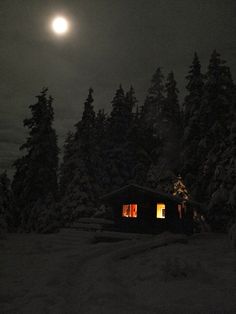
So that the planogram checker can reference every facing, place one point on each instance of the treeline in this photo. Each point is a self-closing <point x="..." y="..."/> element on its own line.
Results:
<point x="148" y="144"/>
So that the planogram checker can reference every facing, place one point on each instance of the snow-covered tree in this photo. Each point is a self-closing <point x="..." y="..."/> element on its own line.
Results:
<point x="153" y="104"/>
<point x="36" y="171"/>
<point x="180" y="189"/>
<point x="212" y="147"/>
<point x="192" y="131"/>
<point x="9" y="215"/>
<point x="77" y="170"/>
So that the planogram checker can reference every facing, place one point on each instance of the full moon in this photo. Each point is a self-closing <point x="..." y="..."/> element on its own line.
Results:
<point x="60" y="25"/>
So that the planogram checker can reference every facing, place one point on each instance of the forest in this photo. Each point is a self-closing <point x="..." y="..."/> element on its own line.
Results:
<point x="150" y="144"/>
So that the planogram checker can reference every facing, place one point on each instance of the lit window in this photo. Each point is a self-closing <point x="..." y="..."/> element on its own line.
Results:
<point x="129" y="210"/>
<point x="161" y="210"/>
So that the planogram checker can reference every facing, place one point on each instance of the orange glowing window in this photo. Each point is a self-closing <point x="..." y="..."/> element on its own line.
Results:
<point x="129" y="210"/>
<point x="161" y="210"/>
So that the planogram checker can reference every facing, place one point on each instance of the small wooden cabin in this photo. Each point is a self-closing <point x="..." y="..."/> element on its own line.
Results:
<point x="140" y="209"/>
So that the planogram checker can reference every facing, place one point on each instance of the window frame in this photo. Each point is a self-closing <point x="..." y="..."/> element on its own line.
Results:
<point x="132" y="212"/>
<point x="160" y="210"/>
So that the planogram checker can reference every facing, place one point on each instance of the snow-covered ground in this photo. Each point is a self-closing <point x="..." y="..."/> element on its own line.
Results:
<point x="73" y="272"/>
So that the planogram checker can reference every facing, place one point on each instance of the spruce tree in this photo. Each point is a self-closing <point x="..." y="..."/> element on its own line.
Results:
<point x="180" y="189"/>
<point x="130" y="104"/>
<point x="218" y="92"/>
<point x="214" y="184"/>
<point x="36" y="171"/>
<point x="8" y="214"/>
<point x="79" y="194"/>
<point x="195" y="84"/>
<point x="168" y="154"/>
<point x="101" y="177"/>
<point x="172" y="117"/>
<point x="171" y="109"/>
<point x="192" y="131"/>
<point x="85" y="127"/>
<point x="137" y="145"/>
<point x="67" y="165"/>
<point x="118" y="154"/>
<point x="154" y="101"/>
<point x="214" y="122"/>
<point x="120" y="116"/>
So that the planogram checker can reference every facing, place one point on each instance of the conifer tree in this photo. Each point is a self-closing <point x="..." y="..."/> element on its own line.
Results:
<point x="170" y="135"/>
<point x="213" y="183"/>
<point x="67" y="165"/>
<point x="8" y="214"/>
<point x="153" y="105"/>
<point x="192" y="131"/>
<point x="137" y="144"/>
<point x="85" y="128"/>
<point x="166" y="160"/>
<point x="171" y="109"/>
<point x="214" y="122"/>
<point x="100" y="154"/>
<point x="195" y="84"/>
<point x="119" y="117"/>
<point x="118" y="125"/>
<point x="36" y="171"/>
<point x="218" y="91"/>
<point x="130" y="104"/>
<point x="79" y="194"/>
<point x="180" y="189"/>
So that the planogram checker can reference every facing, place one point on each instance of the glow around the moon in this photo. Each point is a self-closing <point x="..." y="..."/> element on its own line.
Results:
<point x="60" y="25"/>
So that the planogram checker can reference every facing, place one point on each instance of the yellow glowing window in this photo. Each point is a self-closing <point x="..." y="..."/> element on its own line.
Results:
<point x="161" y="210"/>
<point x="129" y="210"/>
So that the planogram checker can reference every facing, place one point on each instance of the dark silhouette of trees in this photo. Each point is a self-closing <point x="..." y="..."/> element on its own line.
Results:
<point x="192" y="122"/>
<point x="8" y="212"/>
<point x="36" y="171"/>
<point x="77" y="184"/>
<point x="149" y="144"/>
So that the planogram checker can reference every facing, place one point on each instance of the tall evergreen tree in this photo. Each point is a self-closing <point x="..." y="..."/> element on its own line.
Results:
<point x="36" y="172"/>
<point x="8" y="213"/>
<point x="154" y="101"/>
<point x="85" y="127"/>
<point x="137" y="143"/>
<point x="167" y="158"/>
<point x="214" y="121"/>
<point x="192" y="131"/>
<point x="195" y="84"/>
<point x="180" y="189"/>
<point x="171" y="109"/>
<point x="138" y="149"/>
<point x="171" y="125"/>
<point x="213" y="184"/>
<point x="218" y="92"/>
<point x="67" y="165"/>
<point x="120" y="116"/>
<point x="130" y="104"/>
<point x="118" y="154"/>
<point x="79" y="194"/>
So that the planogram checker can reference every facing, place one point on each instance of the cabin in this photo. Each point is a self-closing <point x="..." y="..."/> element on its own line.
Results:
<point x="140" y="209"/>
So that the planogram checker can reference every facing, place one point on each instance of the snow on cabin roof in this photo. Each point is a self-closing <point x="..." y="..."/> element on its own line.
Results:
<point x="144" y="190"/>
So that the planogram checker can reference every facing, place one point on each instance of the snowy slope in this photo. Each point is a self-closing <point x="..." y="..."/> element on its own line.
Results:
<point x="69" y="273"/>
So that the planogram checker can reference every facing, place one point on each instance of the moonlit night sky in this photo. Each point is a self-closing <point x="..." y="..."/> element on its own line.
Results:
<point x="108" y="42"/>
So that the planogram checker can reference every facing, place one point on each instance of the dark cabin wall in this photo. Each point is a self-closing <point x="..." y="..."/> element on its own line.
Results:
<point x="146" y="220"/>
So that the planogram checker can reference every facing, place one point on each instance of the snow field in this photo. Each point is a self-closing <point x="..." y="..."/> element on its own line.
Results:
<point x="69" y="272"/>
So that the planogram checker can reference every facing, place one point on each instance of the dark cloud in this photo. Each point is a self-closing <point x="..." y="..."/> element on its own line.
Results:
<point x="111" y="42"/>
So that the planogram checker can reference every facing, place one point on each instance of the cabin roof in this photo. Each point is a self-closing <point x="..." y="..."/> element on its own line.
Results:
<point x="140" y="189"/>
